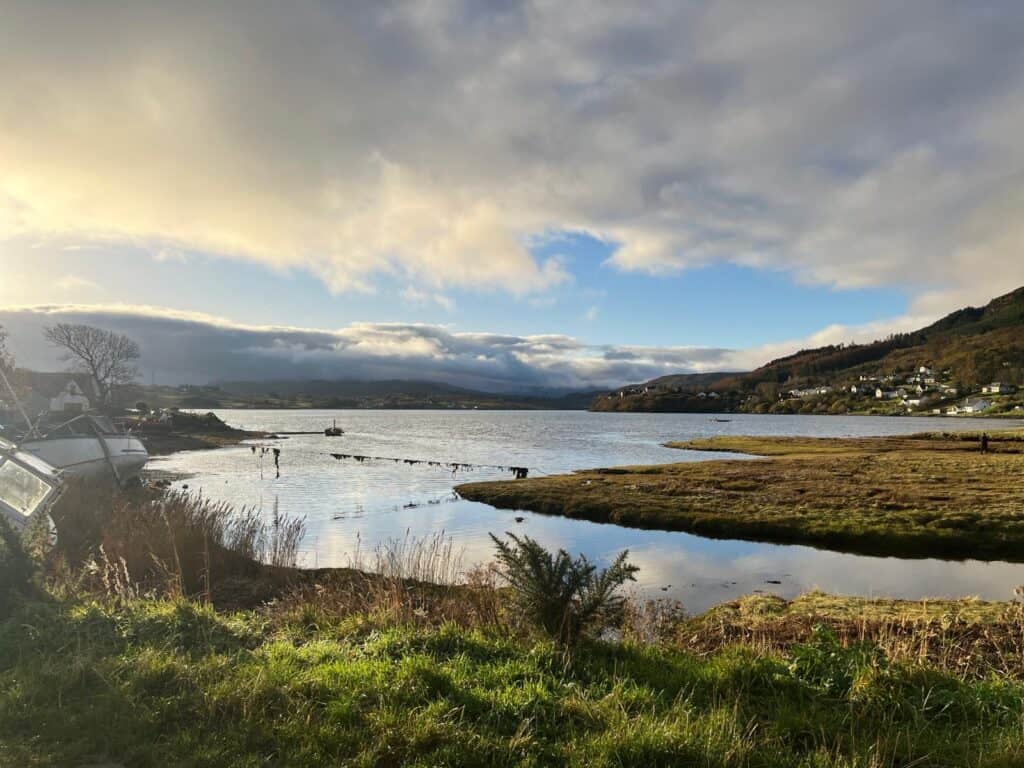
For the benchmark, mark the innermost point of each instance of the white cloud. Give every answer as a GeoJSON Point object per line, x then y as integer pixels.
{"type": "Point", "coordinates": [167, 254]}
{"type": "Point", "coordinates": [75, 283]}
{"type": "Point", "coordinates": [413, 295]}
{"type": "Point", "coordinates": [854, 144]}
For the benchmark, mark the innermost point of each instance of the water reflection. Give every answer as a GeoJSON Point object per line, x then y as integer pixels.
{"type": "Point", "coordinates": [349, 505]}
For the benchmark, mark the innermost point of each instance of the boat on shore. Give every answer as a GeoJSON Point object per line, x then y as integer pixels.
{"type": "Point", "coordinates": [88, 446]}
{"type": "Point", "coordinates": [334, 430]}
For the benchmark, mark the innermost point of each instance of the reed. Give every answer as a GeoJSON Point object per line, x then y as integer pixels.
{"type": "Point", "coordinates": [408, 580]}
{"type": "Point", "coordinates": [169, 542]}
{"type": "Point", "coordinates": [431, 559]}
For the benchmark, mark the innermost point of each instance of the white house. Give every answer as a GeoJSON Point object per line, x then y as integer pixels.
{"type": "Point", "coordinates": [924, 370]}
{"type": "Point", "coordinates": [975, 406]}
{"type": "Point", "coordinates": [995, 388]}
{"type": "Point", "coordinates": [71, 399]}
{"type": "Point", "coordinates": [60, 392]}
{"type": "Point", "coordinates": [810, 392]}
{"type": "Point", "coordinates": [885, 394]}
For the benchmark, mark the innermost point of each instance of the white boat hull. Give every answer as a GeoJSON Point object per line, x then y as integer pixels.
{"type": "Point", "coordinates": [84, 457]}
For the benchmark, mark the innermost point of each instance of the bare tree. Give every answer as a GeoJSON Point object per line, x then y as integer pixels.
{"type": "Point", "coordinates": [6, 358]}
{"type": "Point", "coordinates": [109, 357]}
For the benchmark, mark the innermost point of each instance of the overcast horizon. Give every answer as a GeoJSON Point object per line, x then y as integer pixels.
{"type": "Point", "coordinates": [503, 195]}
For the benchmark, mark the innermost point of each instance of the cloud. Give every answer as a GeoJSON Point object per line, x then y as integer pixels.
{"type": "Point", "coordinates": [853, 144]}
{"type": "Point", "coordinates": [75, 283]}
{"type": "Point", "coordinates": [188, 347]}
{"type": "Point", "coordinates": [413, 295]}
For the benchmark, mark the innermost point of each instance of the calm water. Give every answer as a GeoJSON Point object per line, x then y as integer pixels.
{"type": "Point", "coordinates": [348, 505]}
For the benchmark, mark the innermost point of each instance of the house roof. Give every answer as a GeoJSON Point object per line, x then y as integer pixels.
{"type": "Point", "coordinates": [52, 384]}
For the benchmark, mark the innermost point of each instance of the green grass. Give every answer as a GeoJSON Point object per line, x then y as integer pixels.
{"type": "Point", "coordinates": [157, 683]}
{"type": "Point", "coordinates": [916, 496]}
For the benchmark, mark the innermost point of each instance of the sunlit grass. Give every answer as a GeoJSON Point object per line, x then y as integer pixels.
{"type": "Point", "coordinates": [165, 682]}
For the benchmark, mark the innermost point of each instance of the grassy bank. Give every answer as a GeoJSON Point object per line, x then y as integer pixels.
{"type": "Point", "coordinates": [149, 635]}
{"type": "Point", "coordinates": [924, 495]}
{"type": "Point", "coordinates": [160, 682]}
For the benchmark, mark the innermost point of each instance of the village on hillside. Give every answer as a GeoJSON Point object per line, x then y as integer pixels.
{"type": "Point", "coordinates": [921, 391]}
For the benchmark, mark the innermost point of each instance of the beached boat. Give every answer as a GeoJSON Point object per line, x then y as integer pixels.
{"type": "Point", "coordinates": [28, 485]}
{"type": "Point", "coordinates": [88, 446]}
{"type": "Point", "coordinates": [334, 430]}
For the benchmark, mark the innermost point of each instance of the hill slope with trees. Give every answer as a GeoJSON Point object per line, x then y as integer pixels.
{"type": "Point", "coordinates": [938, 366]}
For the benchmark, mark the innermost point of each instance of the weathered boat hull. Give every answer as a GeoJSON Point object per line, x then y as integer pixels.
{"type": "Point", "coordinates": [84, 456]}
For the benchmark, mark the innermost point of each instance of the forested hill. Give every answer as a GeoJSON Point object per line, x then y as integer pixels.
{"type": "Point", "coordinates": [952, 358]}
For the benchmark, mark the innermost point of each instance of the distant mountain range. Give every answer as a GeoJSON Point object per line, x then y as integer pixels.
{"type": "Point", "coordinates": [966, 350]}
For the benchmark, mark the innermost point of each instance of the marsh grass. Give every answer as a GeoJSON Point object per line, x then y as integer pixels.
{"type": "Point", "coordinates": [432, 559]}
{"type": "Point", "coordinates": [970, 639]}
{"type": "Point", "coordinates": [407, 581]}
{"type": "Point", "coordinates": [918, 496]}
{"type": "Point", "coordinates": [140, 542]}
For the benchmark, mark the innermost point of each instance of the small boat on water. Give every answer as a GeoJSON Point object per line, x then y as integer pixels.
{"type": "Point", "coordinates": [28, 485]}
{"type": "Point", "coordinates": [334, 430]}
{"type": "Point", "coordinates": [88, 446]}
{"type": "Point", "coordinates": [722, 421]}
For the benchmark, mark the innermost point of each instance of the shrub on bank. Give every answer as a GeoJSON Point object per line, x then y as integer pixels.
{"type": "Point", "coordinates": [561, 596]}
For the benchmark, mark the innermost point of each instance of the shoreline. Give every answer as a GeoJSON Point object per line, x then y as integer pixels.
{"type": "Point", "coordinates": [180, 442]}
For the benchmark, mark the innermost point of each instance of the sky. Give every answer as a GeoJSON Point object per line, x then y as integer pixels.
{"type": "Point", "coordinates": [503, 194]}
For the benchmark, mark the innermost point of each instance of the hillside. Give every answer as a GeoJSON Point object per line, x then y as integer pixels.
{"type": "Point", "coordinates": [942, 364]}
{"type": "Point", "coordinates": [355, 394]}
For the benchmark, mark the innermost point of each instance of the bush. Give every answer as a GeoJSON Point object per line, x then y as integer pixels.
{"type": "Point", "coordinates": [561, 596]}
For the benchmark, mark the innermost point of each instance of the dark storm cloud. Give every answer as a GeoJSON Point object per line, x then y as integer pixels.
{"type": "Point", "coordinates": [185, 348]}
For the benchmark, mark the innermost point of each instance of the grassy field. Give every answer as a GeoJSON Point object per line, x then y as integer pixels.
{"type": "Point", "coordinates": [163, 682]}
{"type": "Point", "coordinates": [924, 495]}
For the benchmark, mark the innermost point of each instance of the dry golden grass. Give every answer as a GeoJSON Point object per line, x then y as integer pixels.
{"type": "Point", "coordinates": [143, 540]}
{"type": "Point", "coordinates": [970, 638]}
{"type": "Point", "coordinates": [1001, 441]}
{"type": "Point", "coordinates": [926, 495]}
